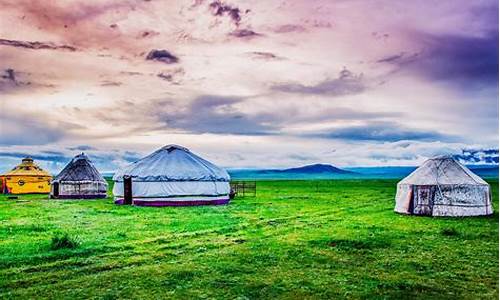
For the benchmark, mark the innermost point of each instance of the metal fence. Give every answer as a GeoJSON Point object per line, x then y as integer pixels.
{"type": "Point", "coordinates": [244, 188]}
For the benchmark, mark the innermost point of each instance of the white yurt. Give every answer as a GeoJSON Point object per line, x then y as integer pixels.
{"type": "Point", "coordinates": [172, 176]}
{"type": "Point", "coordinates": [79, 180]}
{"type": "Point", "coordinates": [442, 186]}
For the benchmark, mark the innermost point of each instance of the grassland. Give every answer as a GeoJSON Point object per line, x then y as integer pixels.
{"type": "Point", "coordinates": [296, 239]}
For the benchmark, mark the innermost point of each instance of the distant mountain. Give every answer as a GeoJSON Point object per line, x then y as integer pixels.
{"type": "Point", "coordinates": [323, 171]}
{"type": "Point", "coordinates": [317, 171]}
{"type": "Point", "coordinates": [310, 169]}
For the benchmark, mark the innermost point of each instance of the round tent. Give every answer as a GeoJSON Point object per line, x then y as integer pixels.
{"type": "Point", "coordinates": [79, 180]}
{"type": "Point", "coordinates": [442, 186]}
{"type": "Point", "coordinates": [173, 176]}
{"type": "Point", "coordinates": [26, 178]}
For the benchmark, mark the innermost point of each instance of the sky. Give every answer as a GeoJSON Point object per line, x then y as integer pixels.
{"type": "Point", "coordinates": [249, 84]}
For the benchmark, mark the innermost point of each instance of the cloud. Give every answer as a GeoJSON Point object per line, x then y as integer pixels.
{"type": "Point", "coordinates": [287, 28]}
{"type": "Point", "coordinates": [51, 156]}
{"type": "Point", "coordinates": [487, 156]}
{"type": "Point", "coordinates": [215, 114]}
{"type": "Point", "coordinates": [31, 129]}
{"type": "Point", "coordinates": [382, 132]}
{"type": "Point", "coordinates": [244, 33]}
{"type": "Point", "coordinates": [347, 83]}
{"type": "Point", "coordinates": [464, 60]}
{"type": "Point", "coordinates": [55, 160]}
{"type": "Point", "coordinates": [110, 83]}
{"type": "Point", "coordinates": [264, 55]}
{"type": "Point", "coordinates": [15, 81]}
{"type": "Point", "coordinates": [219, 8]}
{"type": "Point", "coordinates": [8, 80]}
{"type": "Point", "coordinates": [163, 56]}
{"type": "Point", "coordinates": [9, 76]}
{"type": "Point", "coordinates": [81, 148]}
{"type": "Point", "coordinates": [79, 24]}
{"type": "Point", "coordinates": [36, 45]}
{"type": "Point", "coordinates": [172, 76]}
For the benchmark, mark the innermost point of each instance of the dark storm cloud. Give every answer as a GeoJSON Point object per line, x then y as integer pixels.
{"type": "Point", "coordinates": [383, 132]}
{"type": "Point", "coordinates": [163, 56]}
{"type": "Point", "coordinates": [36, 45]}
{"type": "Point", "coordinates": [347, 83]}
{"type": "Point", "coordinates": [219, 8]}
{"type": "Point", "coordinates": [464, 60]}
{"type": "Point", "coordinates": [214, 114]}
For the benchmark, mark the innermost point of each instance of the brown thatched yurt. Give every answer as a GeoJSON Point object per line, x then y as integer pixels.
{"type": "Point", "coordinates": [79, 180]}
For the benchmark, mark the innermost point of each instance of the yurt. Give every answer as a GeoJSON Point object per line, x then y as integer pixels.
{"type": "Point", "coordinates": [171, 176]}
{"type": "Point", "coordinates": [442, 186]}
{"type": "Point", "coordinates": [26, 178]}
{"type": "Point", "coordinates": [79, 180]}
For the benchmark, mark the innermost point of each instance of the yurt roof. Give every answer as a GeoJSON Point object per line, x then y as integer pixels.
{"type": "Point", "coordinates": [442, 170]}
{"type": "Point", "coordinates": [27, 168]}
{"type": "Point", "coordinates": [80, 168]}
{"type": "Point", "coordinates": [173, 163]}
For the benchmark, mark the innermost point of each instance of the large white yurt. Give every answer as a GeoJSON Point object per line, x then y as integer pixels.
{"type": "Point", "coordinates": [442, 186]}
{"type": "Point", "coordinates": [79, 180]}
{"type": "Point", "coordinates": [173, 176]}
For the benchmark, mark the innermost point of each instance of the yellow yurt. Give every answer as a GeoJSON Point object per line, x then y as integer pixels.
{"type": "Point", "coordinates": [25, 178]}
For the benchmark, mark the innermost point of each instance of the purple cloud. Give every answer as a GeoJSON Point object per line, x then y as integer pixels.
{"type": "Point", "coordinates": [383, 132]}
{"type": "Point", "coordinates": [244, 33]}
{"type": "Point", "coordinates": [465, 60]}
{"type": "Point", "coordinates": [347, 83]}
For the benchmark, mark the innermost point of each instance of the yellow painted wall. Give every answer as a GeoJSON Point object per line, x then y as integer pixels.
{"type": "Point", "coordinates": [27, 184]}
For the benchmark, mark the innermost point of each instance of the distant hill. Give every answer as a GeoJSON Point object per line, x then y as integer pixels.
{"type": "Point", "coordinates": [316, 171]}
{"type": "Point", "coordinates": [309, 169]}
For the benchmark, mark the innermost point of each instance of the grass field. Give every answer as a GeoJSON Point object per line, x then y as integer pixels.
{"type": "Point", "coordinates": [296, 239]}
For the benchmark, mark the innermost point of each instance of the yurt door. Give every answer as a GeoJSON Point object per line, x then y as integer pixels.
{"type": "Point", "coordinates": [55, 189]}
{"type": "Point", "coordinates": [127, 190]}
{"type": "Point", "coordinates": [423, 200]}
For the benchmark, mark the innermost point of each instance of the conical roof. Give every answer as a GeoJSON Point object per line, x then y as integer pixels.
{"type": "Point", "coordinates": [442, 170]}
{"type": "Point", "coordinates": [27, 168]}
{"type": "Point", "coordinates": [80, 168]}
{"type": "Point", "coordinates": [173, 163]}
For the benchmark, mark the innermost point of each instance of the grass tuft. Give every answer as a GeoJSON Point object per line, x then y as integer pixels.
{"type": "Point", "coordinates": [449, 231]}
{"type": "Point", "coordinates": [64, 242]}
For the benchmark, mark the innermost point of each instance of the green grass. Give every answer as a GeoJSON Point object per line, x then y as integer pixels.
{"type": "Point", "coordinates": [296, 239]}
